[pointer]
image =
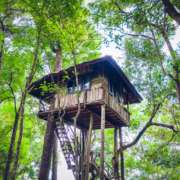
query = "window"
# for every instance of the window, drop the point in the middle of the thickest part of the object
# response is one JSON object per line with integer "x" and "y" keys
{"x": 84, "y": 84}
{"x": 111, "y": 89}
{"x": 70, "y": 87}
{"x": 70, "y": 90}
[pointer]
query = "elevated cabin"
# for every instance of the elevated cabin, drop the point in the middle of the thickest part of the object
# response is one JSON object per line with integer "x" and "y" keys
{"x": 100, "y": 81}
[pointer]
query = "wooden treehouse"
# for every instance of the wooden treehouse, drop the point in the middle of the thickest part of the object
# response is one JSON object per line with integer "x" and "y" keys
{"x": 97, "y": 93}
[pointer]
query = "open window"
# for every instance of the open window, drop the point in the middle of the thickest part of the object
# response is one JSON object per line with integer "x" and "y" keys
{"x": 84, "y": 84}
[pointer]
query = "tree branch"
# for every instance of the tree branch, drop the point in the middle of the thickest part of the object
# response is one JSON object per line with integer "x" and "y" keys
{"x": 168, "y": 126}
{"x": 148, "y": 124}
{"x": 171, "y": 10}
{"x": 138, "y": 35}
{"x": 12, "y": 92}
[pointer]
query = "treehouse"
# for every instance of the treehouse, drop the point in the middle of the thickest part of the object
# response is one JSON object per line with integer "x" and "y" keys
{"x": 83, "y": 89}
{"x": 95, "y": 95}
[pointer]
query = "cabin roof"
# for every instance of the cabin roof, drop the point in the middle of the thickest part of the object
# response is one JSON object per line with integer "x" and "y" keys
{"x": 104, "y": 63}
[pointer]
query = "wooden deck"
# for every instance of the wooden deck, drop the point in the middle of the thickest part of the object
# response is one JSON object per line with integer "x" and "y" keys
{"x": 90, "y": 102}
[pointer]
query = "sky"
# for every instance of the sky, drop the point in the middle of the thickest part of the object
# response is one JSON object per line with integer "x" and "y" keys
{"x": 119, "y": 54}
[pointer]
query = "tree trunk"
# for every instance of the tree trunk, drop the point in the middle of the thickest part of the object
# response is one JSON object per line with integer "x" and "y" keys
{"x": 177, "y": 83}
{"x": 21, "y": 127}
{"x": 175, "y": 64}
{"x": 48, "y": 146}
{"x": 20, "y": 116}
{"x": 49, "y": 135}
{"x": 102, "y": 142}
{"x": 75, "y": 118}
{"x": 2, "y": 44}
{"x": 11, "y": 147}
{"x": 58, "y": 66}
{"x": 171, "y": 10}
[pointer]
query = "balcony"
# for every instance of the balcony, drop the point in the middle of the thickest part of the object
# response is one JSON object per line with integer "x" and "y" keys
{"x": 91, "y": 101}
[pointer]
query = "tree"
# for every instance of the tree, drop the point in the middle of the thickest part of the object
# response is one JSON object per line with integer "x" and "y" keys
{"x": 142, "y": 28}
{"x": 172, "y": 11}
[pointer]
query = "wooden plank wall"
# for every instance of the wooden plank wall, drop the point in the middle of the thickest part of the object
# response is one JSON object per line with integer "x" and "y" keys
{"x": 97, "y": 93}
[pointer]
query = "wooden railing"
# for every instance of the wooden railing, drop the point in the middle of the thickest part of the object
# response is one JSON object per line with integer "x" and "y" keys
{"x": 93, "y": 96}
{"x": 117, "y": 107}
{"x": 87, "y": 97}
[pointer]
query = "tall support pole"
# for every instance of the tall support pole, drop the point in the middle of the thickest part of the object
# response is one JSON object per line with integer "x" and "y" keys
{"x": 115, "y": 158}
{"x": 81, "y": 155}
{"x": 102, "y": 142}
{"x": 84, "y": 138}
{"x": 88, "y": 148}
{"x": 55, "y": 159}
{"x": 121, "y": 155}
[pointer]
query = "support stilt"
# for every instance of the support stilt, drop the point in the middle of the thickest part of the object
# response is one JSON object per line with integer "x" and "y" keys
{"x": 88, "y": 148}
{"x": 55, "y": 159}
{"x": 84, "y": 137}
{"x": 121, "y": 155}
{"x": 102, "y": 142}
{"x": 115, "y": 158}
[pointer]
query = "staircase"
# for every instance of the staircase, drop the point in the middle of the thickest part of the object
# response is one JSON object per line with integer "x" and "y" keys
{"x": 66, "y": 146}
{"x": 66, "y": 141}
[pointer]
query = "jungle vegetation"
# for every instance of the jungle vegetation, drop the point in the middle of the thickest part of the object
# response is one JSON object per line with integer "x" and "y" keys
{"x": 142, "y": 29}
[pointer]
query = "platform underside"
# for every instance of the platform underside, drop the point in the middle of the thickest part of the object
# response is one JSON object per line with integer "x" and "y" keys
{"x": 112, "y": 118}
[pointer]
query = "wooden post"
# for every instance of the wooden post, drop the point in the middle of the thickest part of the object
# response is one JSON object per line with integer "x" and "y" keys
{"x": 88, "y": 148}
{"x": 121, "y": 155}
{"x": 102, "y": 142}
{"x": 84, "y": 138}
{"x": 81, "y": 155}
{"x": 55, "y": 158}
{"x": 115, "y": 158}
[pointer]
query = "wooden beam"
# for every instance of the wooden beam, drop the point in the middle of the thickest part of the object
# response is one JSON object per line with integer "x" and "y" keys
{"x": 102, "y": 142}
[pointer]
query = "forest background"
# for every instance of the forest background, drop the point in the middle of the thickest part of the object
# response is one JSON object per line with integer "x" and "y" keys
{"x": 141, "y": 31}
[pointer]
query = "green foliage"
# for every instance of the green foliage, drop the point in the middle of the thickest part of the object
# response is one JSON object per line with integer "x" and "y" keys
{"x": 65, "y": 22}
{"x": 128, "y": 23}
{"x": 137, "y": 26}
